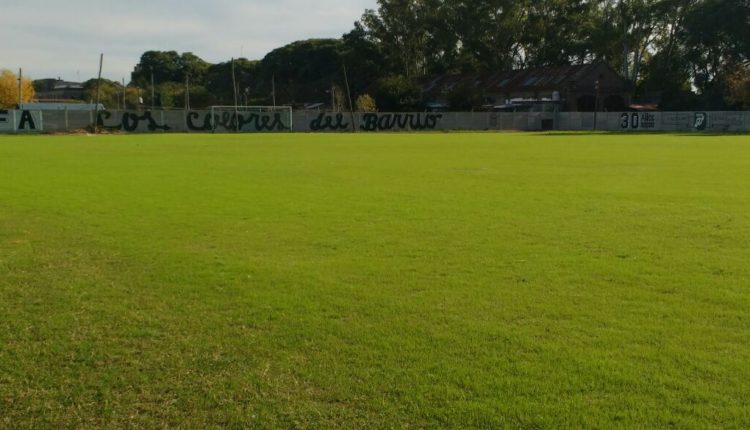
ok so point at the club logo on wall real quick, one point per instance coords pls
(635, 121)
(701, 121)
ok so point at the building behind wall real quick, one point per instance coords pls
(51, 90)
(564, 88)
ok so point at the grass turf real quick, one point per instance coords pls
(375, 281)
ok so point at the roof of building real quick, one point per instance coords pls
(60, 106)
(553, 78)
(64, 85)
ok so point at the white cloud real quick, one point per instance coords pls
(50, 38)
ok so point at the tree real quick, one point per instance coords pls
(464, 97)
(363, 58)
(716, 34)
(169, 66)
(686, 50)
(555, 32)
(218, 80)
(365, 103)
(339, 99)
(9, 89)
(399, 26)
(487, 34)
(399, 93)
(738, 86)
(303, 70)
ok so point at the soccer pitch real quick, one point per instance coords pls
(375, 281)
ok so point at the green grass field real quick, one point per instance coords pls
(375, 281)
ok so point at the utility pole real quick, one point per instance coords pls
(349, 95)
(596, 102)
(187, 92)
(124, 94)
(98, 93)
(273, 88)
(153, 91)
(333, 97)
(234, 90)
(20, 87)
(625, 49)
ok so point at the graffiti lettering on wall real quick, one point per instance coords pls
(227, 121)
(636, 121)
(5, 121)
(24, 121)
(399, 121)
(130, 121)
(230, 121)
(325, 122)
(27, 120)
(377, 122)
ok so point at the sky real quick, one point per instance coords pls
(56, 38)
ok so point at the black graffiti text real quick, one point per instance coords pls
(326, 122)
(130, 121)
(231, 121)
(27, 119)
(398, 121)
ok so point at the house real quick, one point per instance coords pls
(56, 89)
(574, 88)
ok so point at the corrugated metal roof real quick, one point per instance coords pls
(533, 79)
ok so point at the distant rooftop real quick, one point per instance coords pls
(532, 79)
(64, 85)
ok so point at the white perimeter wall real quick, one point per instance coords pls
(15, 121)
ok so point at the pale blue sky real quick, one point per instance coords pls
(51, 38)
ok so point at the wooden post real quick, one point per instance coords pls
(273, 88)
(349, 95)
(98, 94)
(187, 92)
(20, 87)
(153, 91)
(234, 90)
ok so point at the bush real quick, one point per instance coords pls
(365, 103)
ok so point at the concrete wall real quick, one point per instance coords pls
(24, 121)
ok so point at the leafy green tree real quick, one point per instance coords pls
(399, 93)
(169, 66)
(363, 58)
(686, 50)
(555, 31)
(400, 28)
(716, 34)
(218, 80)
(303, 70)
(738, 88)
(464, 97)
(110, 94)
(468, 36)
